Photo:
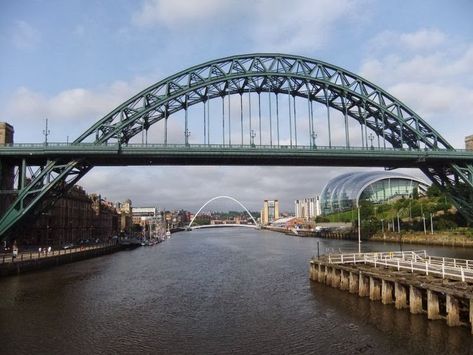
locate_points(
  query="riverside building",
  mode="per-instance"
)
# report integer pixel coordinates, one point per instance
(307, 208)
(347, 191)
(270, 211)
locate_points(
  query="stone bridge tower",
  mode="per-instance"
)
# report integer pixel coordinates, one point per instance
(7, 173)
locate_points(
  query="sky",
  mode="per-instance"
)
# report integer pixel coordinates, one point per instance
(73, 61)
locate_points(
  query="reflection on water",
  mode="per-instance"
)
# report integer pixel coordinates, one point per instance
(211, 291)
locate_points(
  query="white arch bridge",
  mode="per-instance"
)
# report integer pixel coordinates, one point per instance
(255, 225)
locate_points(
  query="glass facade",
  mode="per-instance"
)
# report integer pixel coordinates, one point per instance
(345, 191)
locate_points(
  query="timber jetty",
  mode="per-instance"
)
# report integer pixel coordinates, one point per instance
(441, 288)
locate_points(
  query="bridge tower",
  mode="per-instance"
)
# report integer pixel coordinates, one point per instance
(7, 173)
(469, 142)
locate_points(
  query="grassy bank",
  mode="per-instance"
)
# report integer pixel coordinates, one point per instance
(454, 239)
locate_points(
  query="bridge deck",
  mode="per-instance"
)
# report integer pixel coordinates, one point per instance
(215, 154)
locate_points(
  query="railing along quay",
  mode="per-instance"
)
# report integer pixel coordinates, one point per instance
(36, 255)
(413, 261)
(441, 287)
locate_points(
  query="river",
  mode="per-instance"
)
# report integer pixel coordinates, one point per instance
(212, 291)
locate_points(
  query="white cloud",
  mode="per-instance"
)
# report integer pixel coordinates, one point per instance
(72, 104)
(305, 24)
(421, 40)
(25, 36)
(267, 24)
(181, 13)
(433, 77)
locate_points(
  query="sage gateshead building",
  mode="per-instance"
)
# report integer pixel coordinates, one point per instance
(348, 191)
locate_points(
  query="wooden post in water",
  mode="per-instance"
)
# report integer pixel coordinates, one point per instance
(386, 292)
(363, 283)
(375, 289)
(453, 311)
(400, 295)
(321, 274)
(344, 281)
(433, 308)
(353, 280)
(335, 277)
(415, 300)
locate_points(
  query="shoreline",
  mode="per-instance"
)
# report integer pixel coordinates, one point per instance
(439, 239)
(27, 262)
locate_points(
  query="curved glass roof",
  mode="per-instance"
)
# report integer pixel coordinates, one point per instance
(344, 191)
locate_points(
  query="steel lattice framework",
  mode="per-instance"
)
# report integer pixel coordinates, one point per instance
(295, 76)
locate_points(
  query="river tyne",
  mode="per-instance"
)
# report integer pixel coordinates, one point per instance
(212, 291)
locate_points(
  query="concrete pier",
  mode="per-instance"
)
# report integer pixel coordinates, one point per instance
(375, 289)
(335, 277)
(400, 295)
(344, 280)
(421, 294)
(364, 286)
(354, 287)
(415, 300)
(453, 311)
(386, 292)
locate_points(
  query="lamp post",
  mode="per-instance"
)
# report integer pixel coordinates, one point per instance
(314, 136)
(398, 224)
(187, 134)
(423, 219)
(46, 132)
(382, 228)
(359, 230)
(431, 224)
(371, 137)
(252, 137)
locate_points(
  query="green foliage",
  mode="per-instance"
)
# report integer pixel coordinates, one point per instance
(410, 212)
(321, 219)
(433, 191)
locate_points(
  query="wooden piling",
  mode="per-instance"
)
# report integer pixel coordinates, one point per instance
(400, 295)
(403, 289)
(386, 292)
(433, 306)
(375, 289)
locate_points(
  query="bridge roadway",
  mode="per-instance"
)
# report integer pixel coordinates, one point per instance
(218, 154)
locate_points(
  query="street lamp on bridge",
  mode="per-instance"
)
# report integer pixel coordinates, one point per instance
(46, 132)
(314, 136)
(187, 134)
(371, 137)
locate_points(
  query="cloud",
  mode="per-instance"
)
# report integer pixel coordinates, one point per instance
(71, 105)
(25, 36)
(171, 13)
(268, 24)
(421, 40)
(433, 77)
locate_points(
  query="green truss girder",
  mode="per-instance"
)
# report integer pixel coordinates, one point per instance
(318, 81)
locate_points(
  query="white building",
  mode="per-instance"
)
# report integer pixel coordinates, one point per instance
(308, 208)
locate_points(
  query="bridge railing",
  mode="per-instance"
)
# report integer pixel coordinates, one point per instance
(131, 146)
(413, 261)
(7, 258)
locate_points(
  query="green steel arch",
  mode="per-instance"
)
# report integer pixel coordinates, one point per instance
(297, 76)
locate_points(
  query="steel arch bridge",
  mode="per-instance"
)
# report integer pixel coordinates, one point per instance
(227, 198)
(43, 173)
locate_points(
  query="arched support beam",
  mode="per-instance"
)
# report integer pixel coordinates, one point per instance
(222, 197)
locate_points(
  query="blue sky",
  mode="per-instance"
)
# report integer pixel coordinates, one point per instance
(74, 61)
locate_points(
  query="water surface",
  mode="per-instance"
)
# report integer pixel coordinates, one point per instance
(217, 291)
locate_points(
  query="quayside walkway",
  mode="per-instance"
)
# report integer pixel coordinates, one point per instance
(35, 260)
(441, 288)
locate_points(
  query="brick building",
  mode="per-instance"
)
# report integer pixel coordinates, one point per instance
(75, 217)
